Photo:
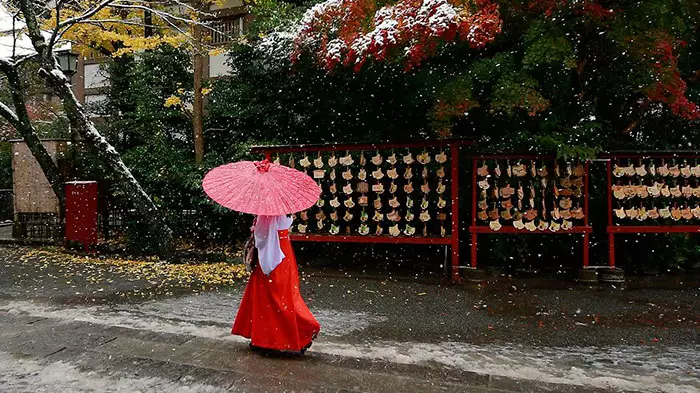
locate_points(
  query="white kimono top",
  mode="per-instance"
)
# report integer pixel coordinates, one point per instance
(267, 240)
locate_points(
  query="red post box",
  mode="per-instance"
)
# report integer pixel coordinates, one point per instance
(81, 213)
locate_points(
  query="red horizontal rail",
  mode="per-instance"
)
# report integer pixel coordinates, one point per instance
(654, 229)
(371, 239)
(497, 156)
(358, 146)
(651, 154)
(513, 231)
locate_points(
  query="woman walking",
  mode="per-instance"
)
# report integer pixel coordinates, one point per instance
(272, 313)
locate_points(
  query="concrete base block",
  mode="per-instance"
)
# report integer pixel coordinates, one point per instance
(611, 276)
(587, 276)
(473, 275)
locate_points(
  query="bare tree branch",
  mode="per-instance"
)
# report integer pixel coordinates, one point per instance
(52, 41)
(9, 115)
(88, 14)
(121, 22)
(167, 17)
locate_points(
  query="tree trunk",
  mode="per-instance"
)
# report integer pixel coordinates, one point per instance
(148, 22)
(51, 72)
(198, 105)
(26, 129)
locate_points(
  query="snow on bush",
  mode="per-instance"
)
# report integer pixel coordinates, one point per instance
(350, 32)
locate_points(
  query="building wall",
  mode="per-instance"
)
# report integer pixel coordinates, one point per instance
(31, 188)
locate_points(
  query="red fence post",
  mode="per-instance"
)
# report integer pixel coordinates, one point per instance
(474, 237)
(611, 236)
(586, 236)
(454, 234)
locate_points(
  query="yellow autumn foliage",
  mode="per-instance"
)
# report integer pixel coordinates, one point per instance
(119, 31)
(102, 270)
(172, 101)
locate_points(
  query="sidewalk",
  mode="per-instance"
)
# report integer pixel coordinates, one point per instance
(507, 336)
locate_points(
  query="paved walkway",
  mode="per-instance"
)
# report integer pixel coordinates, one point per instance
(59, 355)
(69, 334)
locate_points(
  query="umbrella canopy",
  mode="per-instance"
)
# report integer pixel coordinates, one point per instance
(261, 188)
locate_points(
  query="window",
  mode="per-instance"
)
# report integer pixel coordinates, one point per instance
(95, 98)
(218, 66)
(94, 104)
(225, 31)
(95, 77)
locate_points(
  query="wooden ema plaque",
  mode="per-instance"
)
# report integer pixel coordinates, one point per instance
(652, 192)
(529, 195)
(379, 193)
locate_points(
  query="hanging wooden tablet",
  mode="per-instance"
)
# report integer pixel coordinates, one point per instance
(408, 159)
(363, 229)
(409, 230)
(305, 162)
(347, 160)
(363, 215)
(410, 216)
(318, 162)
(332, 161)
(393, 173)
(393, 188)
(392, 159)
(377, 159)
(349, 203)
(440, 173)
(424, 158)
(653, 213)
(362, 174)
(441, 187)
(441, 158)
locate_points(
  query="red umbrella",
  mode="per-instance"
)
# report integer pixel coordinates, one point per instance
(261, 188)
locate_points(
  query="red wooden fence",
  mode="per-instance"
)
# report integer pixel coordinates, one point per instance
(409, 213)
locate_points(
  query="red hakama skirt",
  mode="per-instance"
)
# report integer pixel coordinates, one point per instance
(272, 313)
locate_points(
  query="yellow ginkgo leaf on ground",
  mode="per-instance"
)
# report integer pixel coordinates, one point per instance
(93, 269)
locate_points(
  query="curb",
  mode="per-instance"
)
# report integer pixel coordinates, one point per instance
(490, 382)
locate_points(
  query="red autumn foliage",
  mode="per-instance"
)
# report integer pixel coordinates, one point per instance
(669, 87)
(351, 32)
(594, 10)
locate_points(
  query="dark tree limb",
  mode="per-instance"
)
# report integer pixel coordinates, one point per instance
(22, 123)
